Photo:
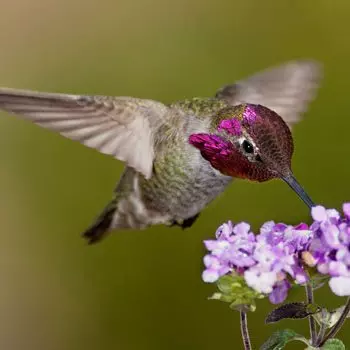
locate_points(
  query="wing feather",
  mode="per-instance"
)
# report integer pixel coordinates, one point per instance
(287, 89)
(123, 127)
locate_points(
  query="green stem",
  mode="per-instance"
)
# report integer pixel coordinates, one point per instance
(323, 327)
(312, 323)
(244, 331)
(339, 323)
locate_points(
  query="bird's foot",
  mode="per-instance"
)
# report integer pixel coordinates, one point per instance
(186, 223)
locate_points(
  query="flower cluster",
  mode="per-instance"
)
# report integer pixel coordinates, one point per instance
(265, 260)
(280, 254)
(330, 246)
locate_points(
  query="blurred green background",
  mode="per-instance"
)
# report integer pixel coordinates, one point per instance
(143, 290)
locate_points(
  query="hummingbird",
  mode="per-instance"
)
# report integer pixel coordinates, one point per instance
(181, 156)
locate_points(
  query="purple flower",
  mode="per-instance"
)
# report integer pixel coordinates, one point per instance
(224, 231)
(330, 248)
(210, 275)
(231, 250)
(265, 260)
(319, 213)
(346, 210)
(279, 292)
(340, 285)
(280, 254)
(261, 281)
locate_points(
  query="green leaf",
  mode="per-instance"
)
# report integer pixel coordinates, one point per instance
(225, 284)
(234, 290)
(333, 344)
(242, 306)
(292, 310)
(329, 318)
(317, 281)
(222, 297)
(279, 339)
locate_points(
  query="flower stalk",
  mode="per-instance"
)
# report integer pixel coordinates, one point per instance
(312, 322)
(336, 328)
(244, 331)
(323, 328)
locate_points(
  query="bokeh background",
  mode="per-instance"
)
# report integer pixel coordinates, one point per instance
(143, 290)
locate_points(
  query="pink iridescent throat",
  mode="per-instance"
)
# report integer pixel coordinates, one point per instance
(211, 146)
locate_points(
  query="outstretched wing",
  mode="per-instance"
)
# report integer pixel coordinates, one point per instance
(286, 89)
(122, 127)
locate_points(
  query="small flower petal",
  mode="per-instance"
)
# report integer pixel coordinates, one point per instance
(319, 213)
(337, 268)
(280, 292)
(241, 229)
(211, 261)
(333, 214)
(210, 244)
(260, 281)
(346, 209)
(331, 236)
(340, 285)
(301, 226)
(224, 231)
(267, 227)
(210, 275)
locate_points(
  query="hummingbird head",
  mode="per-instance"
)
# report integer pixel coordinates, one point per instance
(250, 142)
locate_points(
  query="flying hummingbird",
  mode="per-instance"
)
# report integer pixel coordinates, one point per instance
(181, 156)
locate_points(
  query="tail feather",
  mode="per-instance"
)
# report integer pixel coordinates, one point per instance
(101, 227)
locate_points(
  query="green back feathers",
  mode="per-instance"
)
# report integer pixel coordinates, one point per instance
(213, 108)
(200, 106)
(227, 113)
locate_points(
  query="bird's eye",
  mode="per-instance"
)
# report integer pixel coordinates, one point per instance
(247, 146)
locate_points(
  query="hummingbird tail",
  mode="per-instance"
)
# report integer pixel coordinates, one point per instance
(101, 227)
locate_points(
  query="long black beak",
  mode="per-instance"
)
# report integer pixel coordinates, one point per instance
(294, 184)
